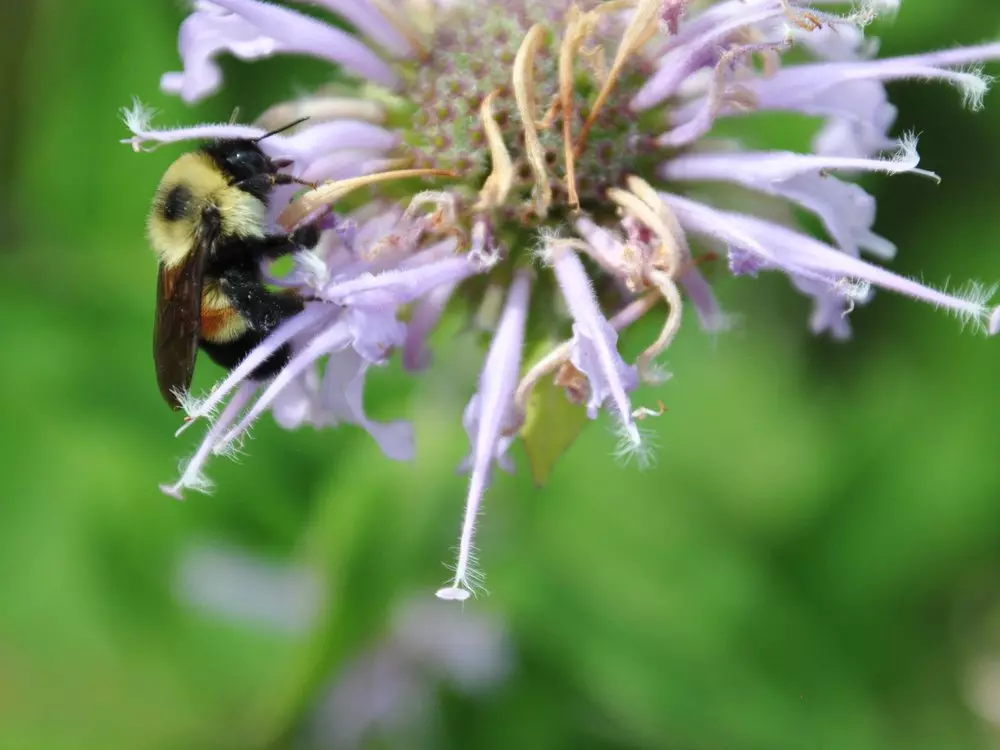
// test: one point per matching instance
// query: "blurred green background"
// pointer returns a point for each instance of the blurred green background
(814, 563)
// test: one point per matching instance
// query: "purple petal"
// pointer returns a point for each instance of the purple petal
(341, 165)
(812, 88)
(203, 34)
(426, 315)
(698, 118)
(491, 416)
(829, 308)
(343, 401)
(699, 291)
(594, 350)
(606, 249)
(138, 119)
(370, 22)
(801, 255)
(399, 287)
(742, 263)
(295, 405)
(375, 331)
(336, 338)
(251, 30)
(865, 130)
(191, 476)
(847, 211)
(347, 142)
(312, 315)
(760, 167)
(837, 42)
(318, 140)
(694, 54)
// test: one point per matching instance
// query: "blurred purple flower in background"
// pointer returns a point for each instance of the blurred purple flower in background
(573, 134)
(386, 689)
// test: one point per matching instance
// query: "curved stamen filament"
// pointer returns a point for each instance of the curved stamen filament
(497, 186)
(524, 95)
(644, 24)
(651, 198)
(670, 251)
(579, 26)
(672, 295)
(331, 192)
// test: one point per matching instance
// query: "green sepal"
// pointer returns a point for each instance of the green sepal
(552, 423)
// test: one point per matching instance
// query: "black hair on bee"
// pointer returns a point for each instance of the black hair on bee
(208, 229)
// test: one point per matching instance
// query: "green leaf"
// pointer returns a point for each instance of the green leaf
(551, 425)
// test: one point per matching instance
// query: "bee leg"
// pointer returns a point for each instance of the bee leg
(306, 236)
(261, 308)
(280, 178)
(269, 247)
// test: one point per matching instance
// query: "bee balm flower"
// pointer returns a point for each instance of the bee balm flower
(540, 153)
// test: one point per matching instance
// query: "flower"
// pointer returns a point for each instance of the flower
(388, 689)
(535, 158)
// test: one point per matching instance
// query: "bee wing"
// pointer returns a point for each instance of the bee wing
(178, 323)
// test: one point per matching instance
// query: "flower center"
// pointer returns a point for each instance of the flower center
(475, 54)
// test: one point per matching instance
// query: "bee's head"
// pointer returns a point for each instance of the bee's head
(242, 160)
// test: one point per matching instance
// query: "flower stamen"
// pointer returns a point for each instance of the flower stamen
(333, 191)
(672, 295)
(579, 26)
(644, 24)
(501, 178)
(678, 254)
(669, 255)
(551, 114)
(524, 95)
(644, 412)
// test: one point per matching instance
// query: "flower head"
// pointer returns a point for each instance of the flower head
(539, 154)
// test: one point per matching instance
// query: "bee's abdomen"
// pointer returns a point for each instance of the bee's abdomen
(221, 321)
(222, 325)
(228, 355)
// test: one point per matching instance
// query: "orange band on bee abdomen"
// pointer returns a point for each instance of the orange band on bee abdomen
(221, 325)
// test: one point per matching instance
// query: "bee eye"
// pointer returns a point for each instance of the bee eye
(246, 163)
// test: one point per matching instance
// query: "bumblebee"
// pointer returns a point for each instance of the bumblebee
(208, 228)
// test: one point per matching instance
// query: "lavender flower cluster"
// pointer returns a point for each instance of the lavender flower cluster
(541, 152)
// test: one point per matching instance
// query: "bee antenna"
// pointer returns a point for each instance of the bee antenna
(282, 129)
